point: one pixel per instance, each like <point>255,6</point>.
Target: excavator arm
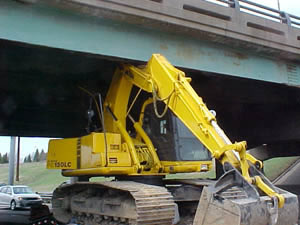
<point>171,86</point>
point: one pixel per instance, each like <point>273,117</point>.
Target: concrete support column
<point>12,155</point>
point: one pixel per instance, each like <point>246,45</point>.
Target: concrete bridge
<point>244,59</point>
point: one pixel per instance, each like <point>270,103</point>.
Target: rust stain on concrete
<point>237,55</point>
<point>164,47</point>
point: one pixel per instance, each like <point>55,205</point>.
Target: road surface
<point>17,217</point>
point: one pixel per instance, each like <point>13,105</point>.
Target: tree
<point>36,157</point>
<point>43,155</point>
<point>0,158</point>
<point>5,158</point>
<point>29,159</point>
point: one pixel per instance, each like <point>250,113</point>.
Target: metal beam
<point>12,156</point>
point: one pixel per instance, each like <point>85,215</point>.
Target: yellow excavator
<point>154,124</point>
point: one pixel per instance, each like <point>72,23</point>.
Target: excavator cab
<point>172,139</point>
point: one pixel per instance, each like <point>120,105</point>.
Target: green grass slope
<point>276,166</point>
<point>36,176</point>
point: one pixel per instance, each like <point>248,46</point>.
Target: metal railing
<point>261,10</point>
<point>46,196</point>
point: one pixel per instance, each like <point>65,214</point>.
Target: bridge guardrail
<point>262,10</point>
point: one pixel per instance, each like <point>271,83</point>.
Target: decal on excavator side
<point>58,164</point>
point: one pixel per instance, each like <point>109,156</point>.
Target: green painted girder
<point>47,25</point>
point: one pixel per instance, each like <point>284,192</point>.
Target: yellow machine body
<point>92,155</point>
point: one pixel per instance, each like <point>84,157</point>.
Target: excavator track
<point>114,202</point>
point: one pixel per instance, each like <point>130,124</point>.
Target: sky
<point>289,6</point>
<point>29,145</point>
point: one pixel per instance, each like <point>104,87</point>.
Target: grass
<point>40,179</point>
<point>274,167</point>
<point>36,176</point>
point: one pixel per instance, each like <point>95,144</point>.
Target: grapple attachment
<point>232,200</point>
